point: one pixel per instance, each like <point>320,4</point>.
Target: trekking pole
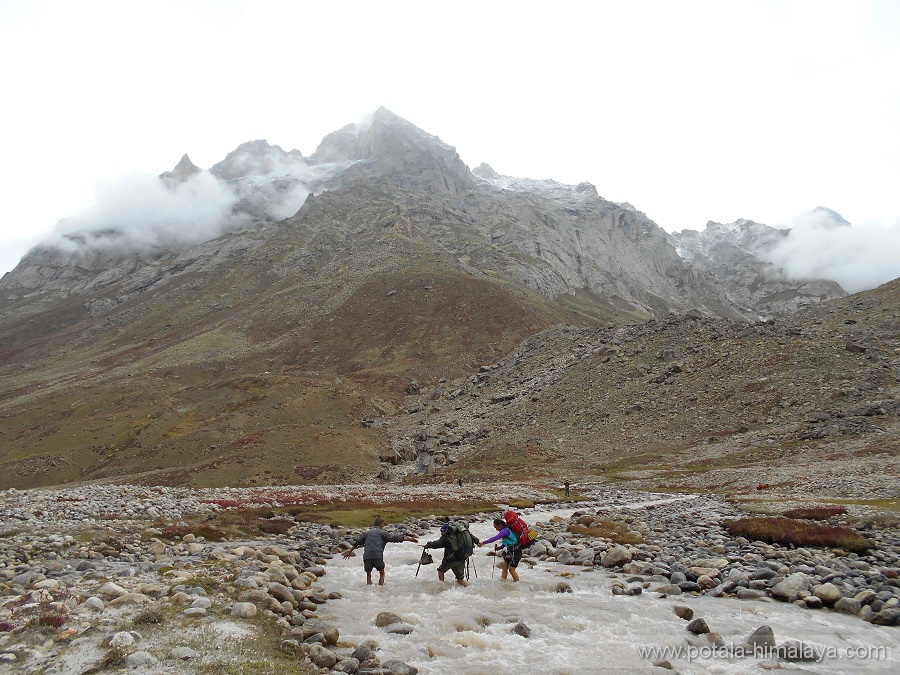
<point>474,569</point>
<point>420,562</point>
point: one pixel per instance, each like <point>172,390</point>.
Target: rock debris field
<point>90,581</point>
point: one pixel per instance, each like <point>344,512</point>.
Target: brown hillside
<point>808,402</point>
<point>249,389</point>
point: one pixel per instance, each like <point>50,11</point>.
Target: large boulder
<point>791,586</point>
<point>828,593</point>
<point>322,657</point>
<point>616,557</point>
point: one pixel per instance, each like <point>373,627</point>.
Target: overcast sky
<point>692,111</point>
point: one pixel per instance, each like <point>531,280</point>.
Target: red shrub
<point>798,532</point>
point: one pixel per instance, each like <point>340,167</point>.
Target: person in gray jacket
<point>374,542</point>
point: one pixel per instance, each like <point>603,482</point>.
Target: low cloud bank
<point>139,212</point>
<point>858,258</point>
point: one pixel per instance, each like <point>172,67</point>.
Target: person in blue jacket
<point>512,552</point>
<point>374,542</point>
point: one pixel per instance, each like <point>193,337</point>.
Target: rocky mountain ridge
<point>556,239</point>
<point>738,255</point>
<point>252,356</point>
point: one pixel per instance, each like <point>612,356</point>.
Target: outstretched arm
<point>502,533</point>
<point>437,543</point>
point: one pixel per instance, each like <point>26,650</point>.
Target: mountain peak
<point>399,151</point>
<point>257,158</point>
<point>829,218</point>
<point>182,171</point>
<point>485,171</point>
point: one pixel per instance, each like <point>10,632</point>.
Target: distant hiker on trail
<point>458,544</point>
<point>566,486</point>
<point>512,553</point>
<point>459,480</point>
<point>374,541</point>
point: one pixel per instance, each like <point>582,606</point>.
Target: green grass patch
<point>888,504</point>
<point>788,531</point>
<point>153,614</point>
<point>351,514</point>
<point>616,532</point>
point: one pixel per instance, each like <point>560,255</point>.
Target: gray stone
<point>184,654</point>
<point>110,590</point>
<point>122,639</point>
<point>616,557</point>
<point>565,558</point>
<point>749,594</point>
<point>866,597</point>
<point>400,668</point>
<point>281,592</point>
<point>364,653</point>
<point>347,665</point>
<point>93,603</point>
<point>386,619</point>
<point>790,587</point>
<point>887,617</point>
<point>322,657</point>
<point>763,638</point>
<point>698,626</point>
<point>685,613</point>
<point>848,606</point>
<point>828,593</point>
<point>138,659</point>
<point>521,629</point>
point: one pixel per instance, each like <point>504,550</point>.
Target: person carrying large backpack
<point>512,552</point>
<point>458,544</point>
<point>520,528</point>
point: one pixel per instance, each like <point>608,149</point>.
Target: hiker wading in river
<point>374,542</point>
<point>512,553</point>
<point>457,549</point>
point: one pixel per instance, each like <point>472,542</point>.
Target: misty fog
<point>858,257</point>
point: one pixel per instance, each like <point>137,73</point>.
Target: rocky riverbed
<point>92,581</point>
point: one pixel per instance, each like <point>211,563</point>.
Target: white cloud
<point>858,258</point>
<point>139,211</point>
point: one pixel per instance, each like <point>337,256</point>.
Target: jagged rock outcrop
<point>738,256</point>
<point>181,173</point>
<point>389,153</point>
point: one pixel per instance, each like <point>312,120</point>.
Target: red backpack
<point>520,528</point>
